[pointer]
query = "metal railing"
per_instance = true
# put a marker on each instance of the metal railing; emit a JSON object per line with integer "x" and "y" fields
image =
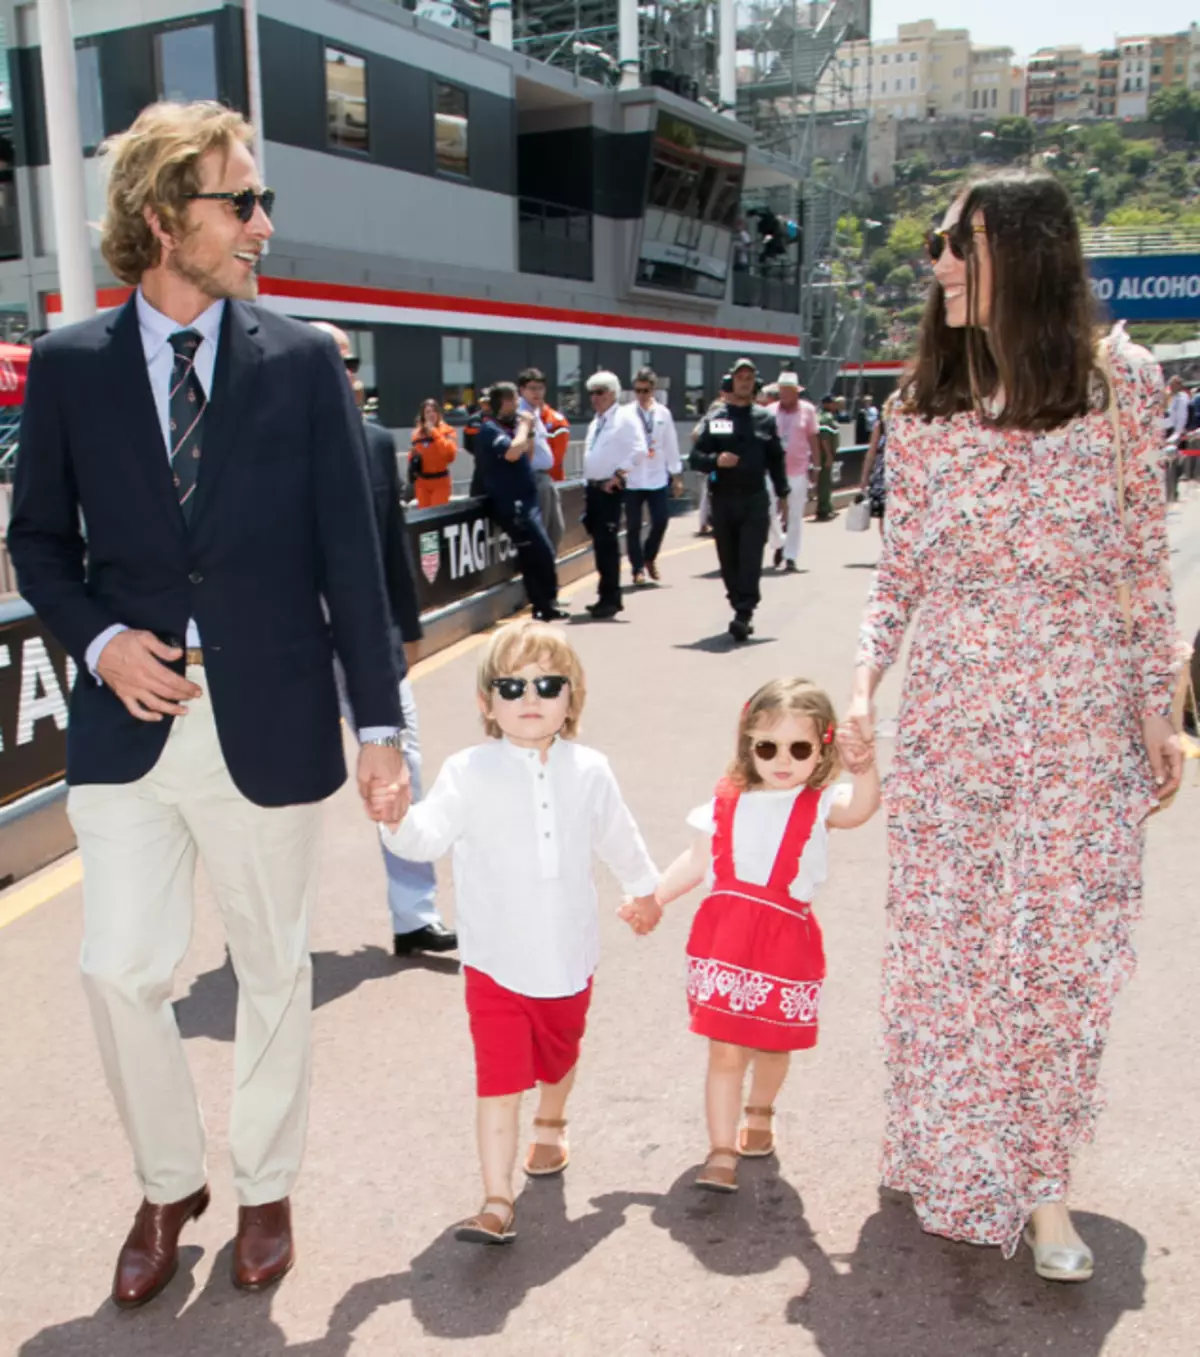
{"x": 1101, "y": 240}
{"x": 554, "y": 240}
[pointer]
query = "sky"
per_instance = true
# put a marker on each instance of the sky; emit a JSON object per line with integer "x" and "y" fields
{"x": 1026, "y": 25}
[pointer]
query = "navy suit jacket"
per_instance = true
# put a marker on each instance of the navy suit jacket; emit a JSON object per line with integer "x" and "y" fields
{"x": 391, "y": 526}
{"x": 506, "y": 483}
{"x": 281, "y": 534}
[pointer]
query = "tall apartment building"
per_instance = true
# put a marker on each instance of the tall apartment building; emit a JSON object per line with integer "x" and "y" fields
{"x": 931, "y": 72}
{"x": 1055, "y": 80}
{"x": 1154, "y": 62}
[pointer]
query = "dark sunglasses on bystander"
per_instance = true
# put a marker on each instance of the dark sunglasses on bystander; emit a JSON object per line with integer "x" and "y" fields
{"x": 548, "y": 686}
{"x": 244, "y": 201}
{"x": 352, "y": 363}
{"x": 800, "y": 750}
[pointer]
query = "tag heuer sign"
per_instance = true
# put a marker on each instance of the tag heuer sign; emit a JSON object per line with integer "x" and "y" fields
{"x": 431, "y": 554}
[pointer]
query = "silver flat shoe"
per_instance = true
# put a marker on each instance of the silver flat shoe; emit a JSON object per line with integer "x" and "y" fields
{"x": 1061, "y": 1262}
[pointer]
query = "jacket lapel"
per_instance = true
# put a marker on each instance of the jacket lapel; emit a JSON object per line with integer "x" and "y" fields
{"x": 231, "y": 403}
{"x": 138, "y": 415}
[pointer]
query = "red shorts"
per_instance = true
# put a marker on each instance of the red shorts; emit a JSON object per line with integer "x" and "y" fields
{"x": 519, "y": 1041}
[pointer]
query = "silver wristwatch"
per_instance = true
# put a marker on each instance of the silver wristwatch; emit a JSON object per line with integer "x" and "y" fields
{"x": 395, "y": 741}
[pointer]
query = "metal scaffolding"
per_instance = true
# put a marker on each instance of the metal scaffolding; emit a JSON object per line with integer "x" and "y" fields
{"x": 796, "y": 94}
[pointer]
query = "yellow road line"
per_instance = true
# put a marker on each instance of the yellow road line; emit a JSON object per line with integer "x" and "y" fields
{"x": 21, "y": 900}
{"x": 28, "y": 896}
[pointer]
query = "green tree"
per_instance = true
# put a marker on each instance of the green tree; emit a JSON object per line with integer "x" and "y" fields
{"x": 902, "y": 280}
{"x": 881, "y": 263}
{"x": 906, "y": 239}
{"x": 1177, "y": 111}
{"x": 1013, "y": 138}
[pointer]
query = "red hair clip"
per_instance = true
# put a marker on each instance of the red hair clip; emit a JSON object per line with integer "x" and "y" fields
{"x": 829, "y": 734}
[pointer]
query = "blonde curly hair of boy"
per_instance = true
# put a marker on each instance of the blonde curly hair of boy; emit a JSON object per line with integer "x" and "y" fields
{"x": 528, "y": 642}
{"x": 774, "y": 700}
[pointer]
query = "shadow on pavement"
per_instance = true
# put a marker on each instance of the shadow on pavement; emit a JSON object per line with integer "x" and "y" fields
{"x": 905, "y": 1291}
{"x": 457, "y": 1291}
{"x": 208, "y": 1008}
{"x": 722, "y": 643}
{"x": 860, "y": 565}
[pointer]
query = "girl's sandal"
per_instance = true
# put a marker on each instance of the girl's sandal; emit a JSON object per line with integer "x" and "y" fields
{"x": 487, "y": 1227}
{"x": 719, "y": 1177}
{"x": 544, "y": 1161}
{"x": 753, "y": 1143}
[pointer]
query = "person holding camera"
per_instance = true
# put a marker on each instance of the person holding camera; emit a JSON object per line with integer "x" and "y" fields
{"x": 432, "y": 450}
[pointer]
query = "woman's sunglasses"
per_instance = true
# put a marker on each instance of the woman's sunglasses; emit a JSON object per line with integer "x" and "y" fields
{"x": 244, "y": 201}
{"x": 936, "y": 241}
{"x": 545, "y": 685}
{"x": 800, "y": 750}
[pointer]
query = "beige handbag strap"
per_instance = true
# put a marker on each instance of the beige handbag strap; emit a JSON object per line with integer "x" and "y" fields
{"x": 1114, "y": 416}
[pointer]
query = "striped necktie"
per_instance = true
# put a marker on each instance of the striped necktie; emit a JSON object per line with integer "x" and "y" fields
{"x": 186, "y": 412}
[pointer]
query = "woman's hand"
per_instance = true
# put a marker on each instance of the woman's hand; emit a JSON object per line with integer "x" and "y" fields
{"x": 856, "y": 733}
{"x": 1165, "y": 753}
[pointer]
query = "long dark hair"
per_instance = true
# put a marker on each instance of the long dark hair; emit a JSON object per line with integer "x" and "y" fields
{"x": 1038, "y": 353}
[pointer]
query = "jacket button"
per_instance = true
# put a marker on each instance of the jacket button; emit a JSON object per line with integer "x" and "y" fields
{"x": 196, "y": 577}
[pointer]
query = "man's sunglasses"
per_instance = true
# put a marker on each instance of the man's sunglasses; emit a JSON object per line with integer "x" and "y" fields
{"x": 642, "y": 390}
{"x": 800, "y": 750}
{"x": 244, "y": 201}
{"x": 936, "y": 241}
{"x": 545, "y": 685}
{"x": 352, "y": 363}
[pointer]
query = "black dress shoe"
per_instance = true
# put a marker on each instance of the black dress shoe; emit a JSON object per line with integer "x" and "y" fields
{"x": 551, "y": 615}
{"x": 602, "y": 611}
{"x": 740, "y": 629}
{"x": 435, "y": 937}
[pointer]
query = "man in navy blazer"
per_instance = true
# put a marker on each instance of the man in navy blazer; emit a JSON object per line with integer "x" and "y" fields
{"x": 227, "y": 552}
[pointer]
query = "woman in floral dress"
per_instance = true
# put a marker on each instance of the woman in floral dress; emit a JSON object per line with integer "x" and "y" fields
{"x": 1034, "y": 732}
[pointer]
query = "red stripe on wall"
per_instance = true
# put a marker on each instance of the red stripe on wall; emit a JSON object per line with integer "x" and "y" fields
{"x": 376, "y": 296}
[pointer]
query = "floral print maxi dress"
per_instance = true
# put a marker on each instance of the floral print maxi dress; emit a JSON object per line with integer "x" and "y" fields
{"x": 1017, "y": 791}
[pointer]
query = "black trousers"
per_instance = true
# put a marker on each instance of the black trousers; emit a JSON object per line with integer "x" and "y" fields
{"x": 642, "y": 552}
{"x": 535, "y": 555}
{"x": 740, "y": 525}
{"x": 602, "y": 518}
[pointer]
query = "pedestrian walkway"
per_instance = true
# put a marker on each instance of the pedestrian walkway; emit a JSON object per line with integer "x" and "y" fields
{"x": 622, "y": 1256}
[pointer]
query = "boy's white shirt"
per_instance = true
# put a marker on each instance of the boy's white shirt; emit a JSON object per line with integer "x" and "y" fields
{"x": 523, "y": 833}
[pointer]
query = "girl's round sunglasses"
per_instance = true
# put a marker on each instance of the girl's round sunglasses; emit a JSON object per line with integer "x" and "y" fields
{"x": 545, "y": 685}
{"x": 800, "y": 750}
{"x": 244, "y": 201}
{"x": 936, "y": 241}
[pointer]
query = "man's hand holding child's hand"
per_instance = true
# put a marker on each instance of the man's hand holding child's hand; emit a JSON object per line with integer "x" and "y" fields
{"x": 381, "y": 801}
{"x": 641, "y": 913}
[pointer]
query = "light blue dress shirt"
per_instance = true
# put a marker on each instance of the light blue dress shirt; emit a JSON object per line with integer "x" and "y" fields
{"x": 156, "y": 331}
{"x": 543, "y": 458}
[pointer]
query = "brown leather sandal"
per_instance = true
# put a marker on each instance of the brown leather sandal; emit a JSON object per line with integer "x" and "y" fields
{"x": 544, "y": 1161}
{"x": 718, "y": 1177}
{"x": 753, "y": 1143}
{"x": 486, "y": 1227}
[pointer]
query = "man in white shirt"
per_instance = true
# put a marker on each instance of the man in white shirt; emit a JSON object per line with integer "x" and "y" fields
{"x": 651, "y": 481}
{"x": 616, "y": 444}
{"x": 797, "y": 422}
{"x": 531, "y": 387}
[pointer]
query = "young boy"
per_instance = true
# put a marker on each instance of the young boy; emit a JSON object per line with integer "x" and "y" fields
{"x": 524, "y": 812}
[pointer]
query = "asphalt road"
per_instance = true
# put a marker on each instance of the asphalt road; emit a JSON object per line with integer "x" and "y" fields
{"x": 623, "y": 1255}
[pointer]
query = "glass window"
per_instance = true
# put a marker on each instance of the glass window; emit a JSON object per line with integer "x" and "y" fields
{"x": 912, "y": 56}
{"x": 362, "y": 346}
{"x": 91, "y": 108}
{"x": 458, "y": 372}
{"x": 450, "y": 129}
{"x": 570, "y": 372}
{"x": 187, "y": 63}
{"x": 693, "y": 384}
{"x": 346, "y": 100}
{"x": 883, "y": 60}
{"x": 638, "y": 358}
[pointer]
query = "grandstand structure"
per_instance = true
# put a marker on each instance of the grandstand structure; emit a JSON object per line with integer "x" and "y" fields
{"x": 799, "y": 100}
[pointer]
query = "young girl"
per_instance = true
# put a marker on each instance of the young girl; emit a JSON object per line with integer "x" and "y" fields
{"x": 755, "y": 960}
{"x": 524, "y": 812}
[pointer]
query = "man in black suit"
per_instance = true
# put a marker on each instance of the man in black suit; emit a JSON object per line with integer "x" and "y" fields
{"x": 215, "y": 456}
{"x": 412, "y": 886}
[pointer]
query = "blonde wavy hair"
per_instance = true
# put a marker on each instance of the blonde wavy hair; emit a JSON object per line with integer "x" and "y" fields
{"x": 529, "y": 642}
{"x": 774, "y": 700}
{"x": 156, "y": 164}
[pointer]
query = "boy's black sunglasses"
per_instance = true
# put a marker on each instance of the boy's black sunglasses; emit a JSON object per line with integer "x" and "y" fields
{"x": 244, "y": 201}
{"x": 545, "y": 685}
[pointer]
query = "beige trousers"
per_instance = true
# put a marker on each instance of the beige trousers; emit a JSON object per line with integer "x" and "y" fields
{"x": 139, "y": 842}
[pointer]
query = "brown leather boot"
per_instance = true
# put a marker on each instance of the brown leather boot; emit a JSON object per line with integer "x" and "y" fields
{"x": 263, "y": 1251}
{"x": 149, "y": 1257}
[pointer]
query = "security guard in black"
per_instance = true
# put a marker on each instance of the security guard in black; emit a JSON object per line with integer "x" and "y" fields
{"x": 738, "y": 447}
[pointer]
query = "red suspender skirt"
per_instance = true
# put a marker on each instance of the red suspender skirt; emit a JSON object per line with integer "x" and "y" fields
{"x": 755, "y": 958}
